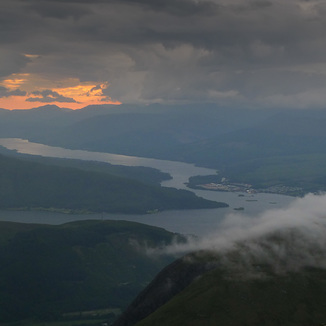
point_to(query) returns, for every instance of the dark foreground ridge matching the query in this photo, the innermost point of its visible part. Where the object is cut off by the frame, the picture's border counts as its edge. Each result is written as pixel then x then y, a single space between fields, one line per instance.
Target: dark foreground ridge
pixel 235 288
pixel 168 283
pixel 59 273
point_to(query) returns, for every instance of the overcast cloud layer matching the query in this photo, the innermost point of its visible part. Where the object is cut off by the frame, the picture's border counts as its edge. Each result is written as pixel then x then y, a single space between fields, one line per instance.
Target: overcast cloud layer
pixel 253 53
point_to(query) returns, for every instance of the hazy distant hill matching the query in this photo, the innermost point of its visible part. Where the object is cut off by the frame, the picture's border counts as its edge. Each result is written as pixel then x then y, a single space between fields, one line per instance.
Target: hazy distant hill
pixel 264 284
pixel 151 131
pixel 261 147
pixel 32 185
pixel 47 271
pixel 45 121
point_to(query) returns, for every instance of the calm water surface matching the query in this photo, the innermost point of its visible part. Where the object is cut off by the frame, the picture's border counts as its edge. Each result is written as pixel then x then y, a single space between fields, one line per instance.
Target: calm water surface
pixel 199 222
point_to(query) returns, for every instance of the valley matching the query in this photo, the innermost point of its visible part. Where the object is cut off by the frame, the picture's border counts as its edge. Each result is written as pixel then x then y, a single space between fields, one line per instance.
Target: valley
pixel 81 199
pixel 162 163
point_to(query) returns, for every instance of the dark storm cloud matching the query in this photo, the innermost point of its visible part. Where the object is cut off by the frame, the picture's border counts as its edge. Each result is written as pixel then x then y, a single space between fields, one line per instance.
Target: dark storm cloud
pixel 48 96
pixel 11 62
pixel 176 7
pixel 57 10
pixel 4 92
pixel 231 52
pixel 16 92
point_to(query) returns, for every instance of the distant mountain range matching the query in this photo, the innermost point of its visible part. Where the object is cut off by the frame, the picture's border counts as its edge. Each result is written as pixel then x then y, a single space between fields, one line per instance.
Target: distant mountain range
pixel 88 272
pixel 260 147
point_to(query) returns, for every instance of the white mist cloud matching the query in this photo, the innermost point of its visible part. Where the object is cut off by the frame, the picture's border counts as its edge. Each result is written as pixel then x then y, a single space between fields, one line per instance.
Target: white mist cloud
pixel 287 238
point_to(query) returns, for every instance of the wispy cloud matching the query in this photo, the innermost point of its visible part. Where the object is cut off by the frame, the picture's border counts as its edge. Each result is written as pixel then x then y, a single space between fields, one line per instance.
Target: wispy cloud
pixel 49 96
pixel 288 238
pixel 4 92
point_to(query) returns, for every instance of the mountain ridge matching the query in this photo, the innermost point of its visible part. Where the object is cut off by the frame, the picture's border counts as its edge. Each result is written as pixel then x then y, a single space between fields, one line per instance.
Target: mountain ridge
pixel 268 280
pixel 50 270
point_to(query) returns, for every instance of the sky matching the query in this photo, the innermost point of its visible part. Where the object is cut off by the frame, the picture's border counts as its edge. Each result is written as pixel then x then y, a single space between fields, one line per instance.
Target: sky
pixel 237 53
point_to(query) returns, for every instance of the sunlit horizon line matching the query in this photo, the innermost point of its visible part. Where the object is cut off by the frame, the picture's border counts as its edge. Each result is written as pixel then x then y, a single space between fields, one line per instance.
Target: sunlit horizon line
pixel 37 91
pixel 72 97
pixel 19 103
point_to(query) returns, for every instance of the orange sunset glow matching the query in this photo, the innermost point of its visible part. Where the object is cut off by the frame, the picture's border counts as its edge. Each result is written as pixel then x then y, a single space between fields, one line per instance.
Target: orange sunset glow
pixel 26 91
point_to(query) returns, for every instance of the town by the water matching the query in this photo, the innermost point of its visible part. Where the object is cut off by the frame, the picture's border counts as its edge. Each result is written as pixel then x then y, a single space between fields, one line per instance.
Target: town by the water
pixel 248 188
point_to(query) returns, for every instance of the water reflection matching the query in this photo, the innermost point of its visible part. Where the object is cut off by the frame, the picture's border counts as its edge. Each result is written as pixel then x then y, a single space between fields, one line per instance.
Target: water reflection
pixel 199 222
pixel 179 171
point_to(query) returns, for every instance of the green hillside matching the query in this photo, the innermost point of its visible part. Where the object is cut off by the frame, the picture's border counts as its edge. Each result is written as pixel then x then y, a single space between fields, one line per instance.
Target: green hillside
pixel 279 279
pixel 58 272
pixel 32 185
pixel 287 300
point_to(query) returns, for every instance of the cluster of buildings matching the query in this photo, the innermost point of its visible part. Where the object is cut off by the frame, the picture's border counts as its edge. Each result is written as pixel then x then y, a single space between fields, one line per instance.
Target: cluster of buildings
pixel 247 188
pixel 230 187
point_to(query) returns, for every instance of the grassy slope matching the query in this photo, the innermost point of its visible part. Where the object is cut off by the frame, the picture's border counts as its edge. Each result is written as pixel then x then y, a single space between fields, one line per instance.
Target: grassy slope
pixel 292 299
pixel 49 270
pixel 26 184
pixel 266 281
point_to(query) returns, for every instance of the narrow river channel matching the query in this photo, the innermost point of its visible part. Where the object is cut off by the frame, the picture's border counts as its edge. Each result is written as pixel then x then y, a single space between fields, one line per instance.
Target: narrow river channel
pixel 199 222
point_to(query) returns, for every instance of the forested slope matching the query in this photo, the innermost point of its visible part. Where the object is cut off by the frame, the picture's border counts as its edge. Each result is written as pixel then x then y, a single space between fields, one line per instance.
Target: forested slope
pixel 32 185
pixel 47 271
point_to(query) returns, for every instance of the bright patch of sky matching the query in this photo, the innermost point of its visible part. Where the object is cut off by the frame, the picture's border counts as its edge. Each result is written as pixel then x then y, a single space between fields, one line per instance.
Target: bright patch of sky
pixel 251 53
